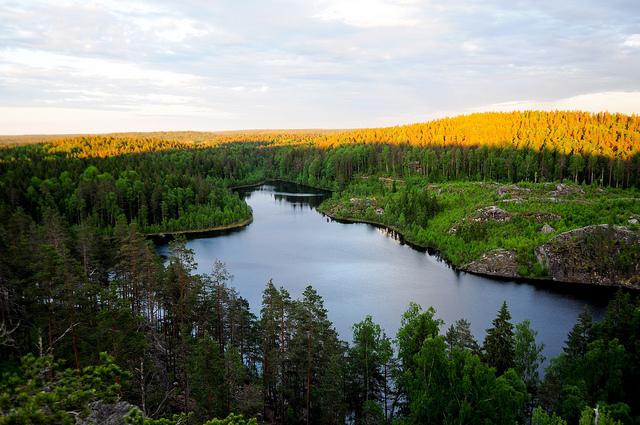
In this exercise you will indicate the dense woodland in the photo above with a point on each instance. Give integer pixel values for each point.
(89, 312)
(179, 342)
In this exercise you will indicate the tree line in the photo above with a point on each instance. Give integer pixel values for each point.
(567, 132)
(187, 189)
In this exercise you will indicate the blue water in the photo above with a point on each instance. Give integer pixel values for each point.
(360, 269)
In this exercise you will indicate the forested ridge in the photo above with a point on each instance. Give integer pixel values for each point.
(78, 277)
(584, 133)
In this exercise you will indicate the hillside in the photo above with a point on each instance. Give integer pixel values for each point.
(587, 134)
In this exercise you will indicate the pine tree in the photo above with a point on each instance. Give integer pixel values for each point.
(367, 357)
(459, 337)
(498, 347)
(580, 335)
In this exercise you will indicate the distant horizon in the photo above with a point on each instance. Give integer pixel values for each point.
(300, 129)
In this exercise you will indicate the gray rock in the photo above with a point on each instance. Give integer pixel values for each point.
(542, 217)
(492, 213)
(598, 254)
(512, 190)
(633, 221)
(547, 229)
(564, 189)
(499, 262)
(105, 414)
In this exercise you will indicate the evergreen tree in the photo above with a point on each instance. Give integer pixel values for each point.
(459, 337)
(580, 335)
(367, 358)
(527, 355)
(498, 347)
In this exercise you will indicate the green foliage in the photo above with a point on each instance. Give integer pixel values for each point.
(232, 420)
(499, 343)
(457, 230)
(527, 355)
(600, 416)
(78, 278)
(43, 393)
(458, 388)
(369, 355)
(540, 417)
(598, 365)
(136, 417)
(459, 337)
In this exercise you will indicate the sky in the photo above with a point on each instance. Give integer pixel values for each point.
(93, 66)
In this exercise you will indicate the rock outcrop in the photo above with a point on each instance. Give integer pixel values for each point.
(491, 213)
(599, 255)
(483, 215)
(499, 262)
(547, 229)
(512, 190)
(564, 189)
(541, 217)
(106, 413)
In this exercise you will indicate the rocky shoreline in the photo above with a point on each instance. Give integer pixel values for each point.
(554, 256)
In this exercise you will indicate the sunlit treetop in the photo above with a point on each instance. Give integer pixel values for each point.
(602, 134)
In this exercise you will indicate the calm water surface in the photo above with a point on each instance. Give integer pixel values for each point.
(360, 269)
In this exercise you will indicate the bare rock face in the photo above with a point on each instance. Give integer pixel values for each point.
(499, 262)
(105, 413)
(542, 217)
(599, 254)
(563, 189)
(492, 213)
(512, 190)
(482, 215)
(547, 229)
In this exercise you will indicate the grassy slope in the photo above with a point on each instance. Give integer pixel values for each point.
(472, 239)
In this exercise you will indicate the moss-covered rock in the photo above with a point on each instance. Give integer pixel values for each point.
(598, 254)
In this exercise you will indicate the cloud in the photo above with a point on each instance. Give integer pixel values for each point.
(24, 61)
(371, 13)
(319, 63)
(632, 41)
(170, 29)
(620, 102)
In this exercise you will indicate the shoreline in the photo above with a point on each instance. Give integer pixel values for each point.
(267, 180)
(231, 226)
(536, 281)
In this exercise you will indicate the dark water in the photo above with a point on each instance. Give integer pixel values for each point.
(360, 269)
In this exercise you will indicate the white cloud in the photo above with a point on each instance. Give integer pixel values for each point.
(470, 46)
(621, 102)
(294, 63)
(76, 66)
(632, 41)
(371, 13)
(150, 117)
(170, 29)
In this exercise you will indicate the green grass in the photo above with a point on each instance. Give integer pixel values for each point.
(460, 201)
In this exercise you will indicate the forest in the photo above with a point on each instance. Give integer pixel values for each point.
(104, 322)
(91, 316)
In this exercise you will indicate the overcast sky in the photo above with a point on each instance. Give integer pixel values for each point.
(127, 65)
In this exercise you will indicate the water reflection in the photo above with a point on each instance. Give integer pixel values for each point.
(361, 269)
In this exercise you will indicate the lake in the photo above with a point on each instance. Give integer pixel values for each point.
(360, 270)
